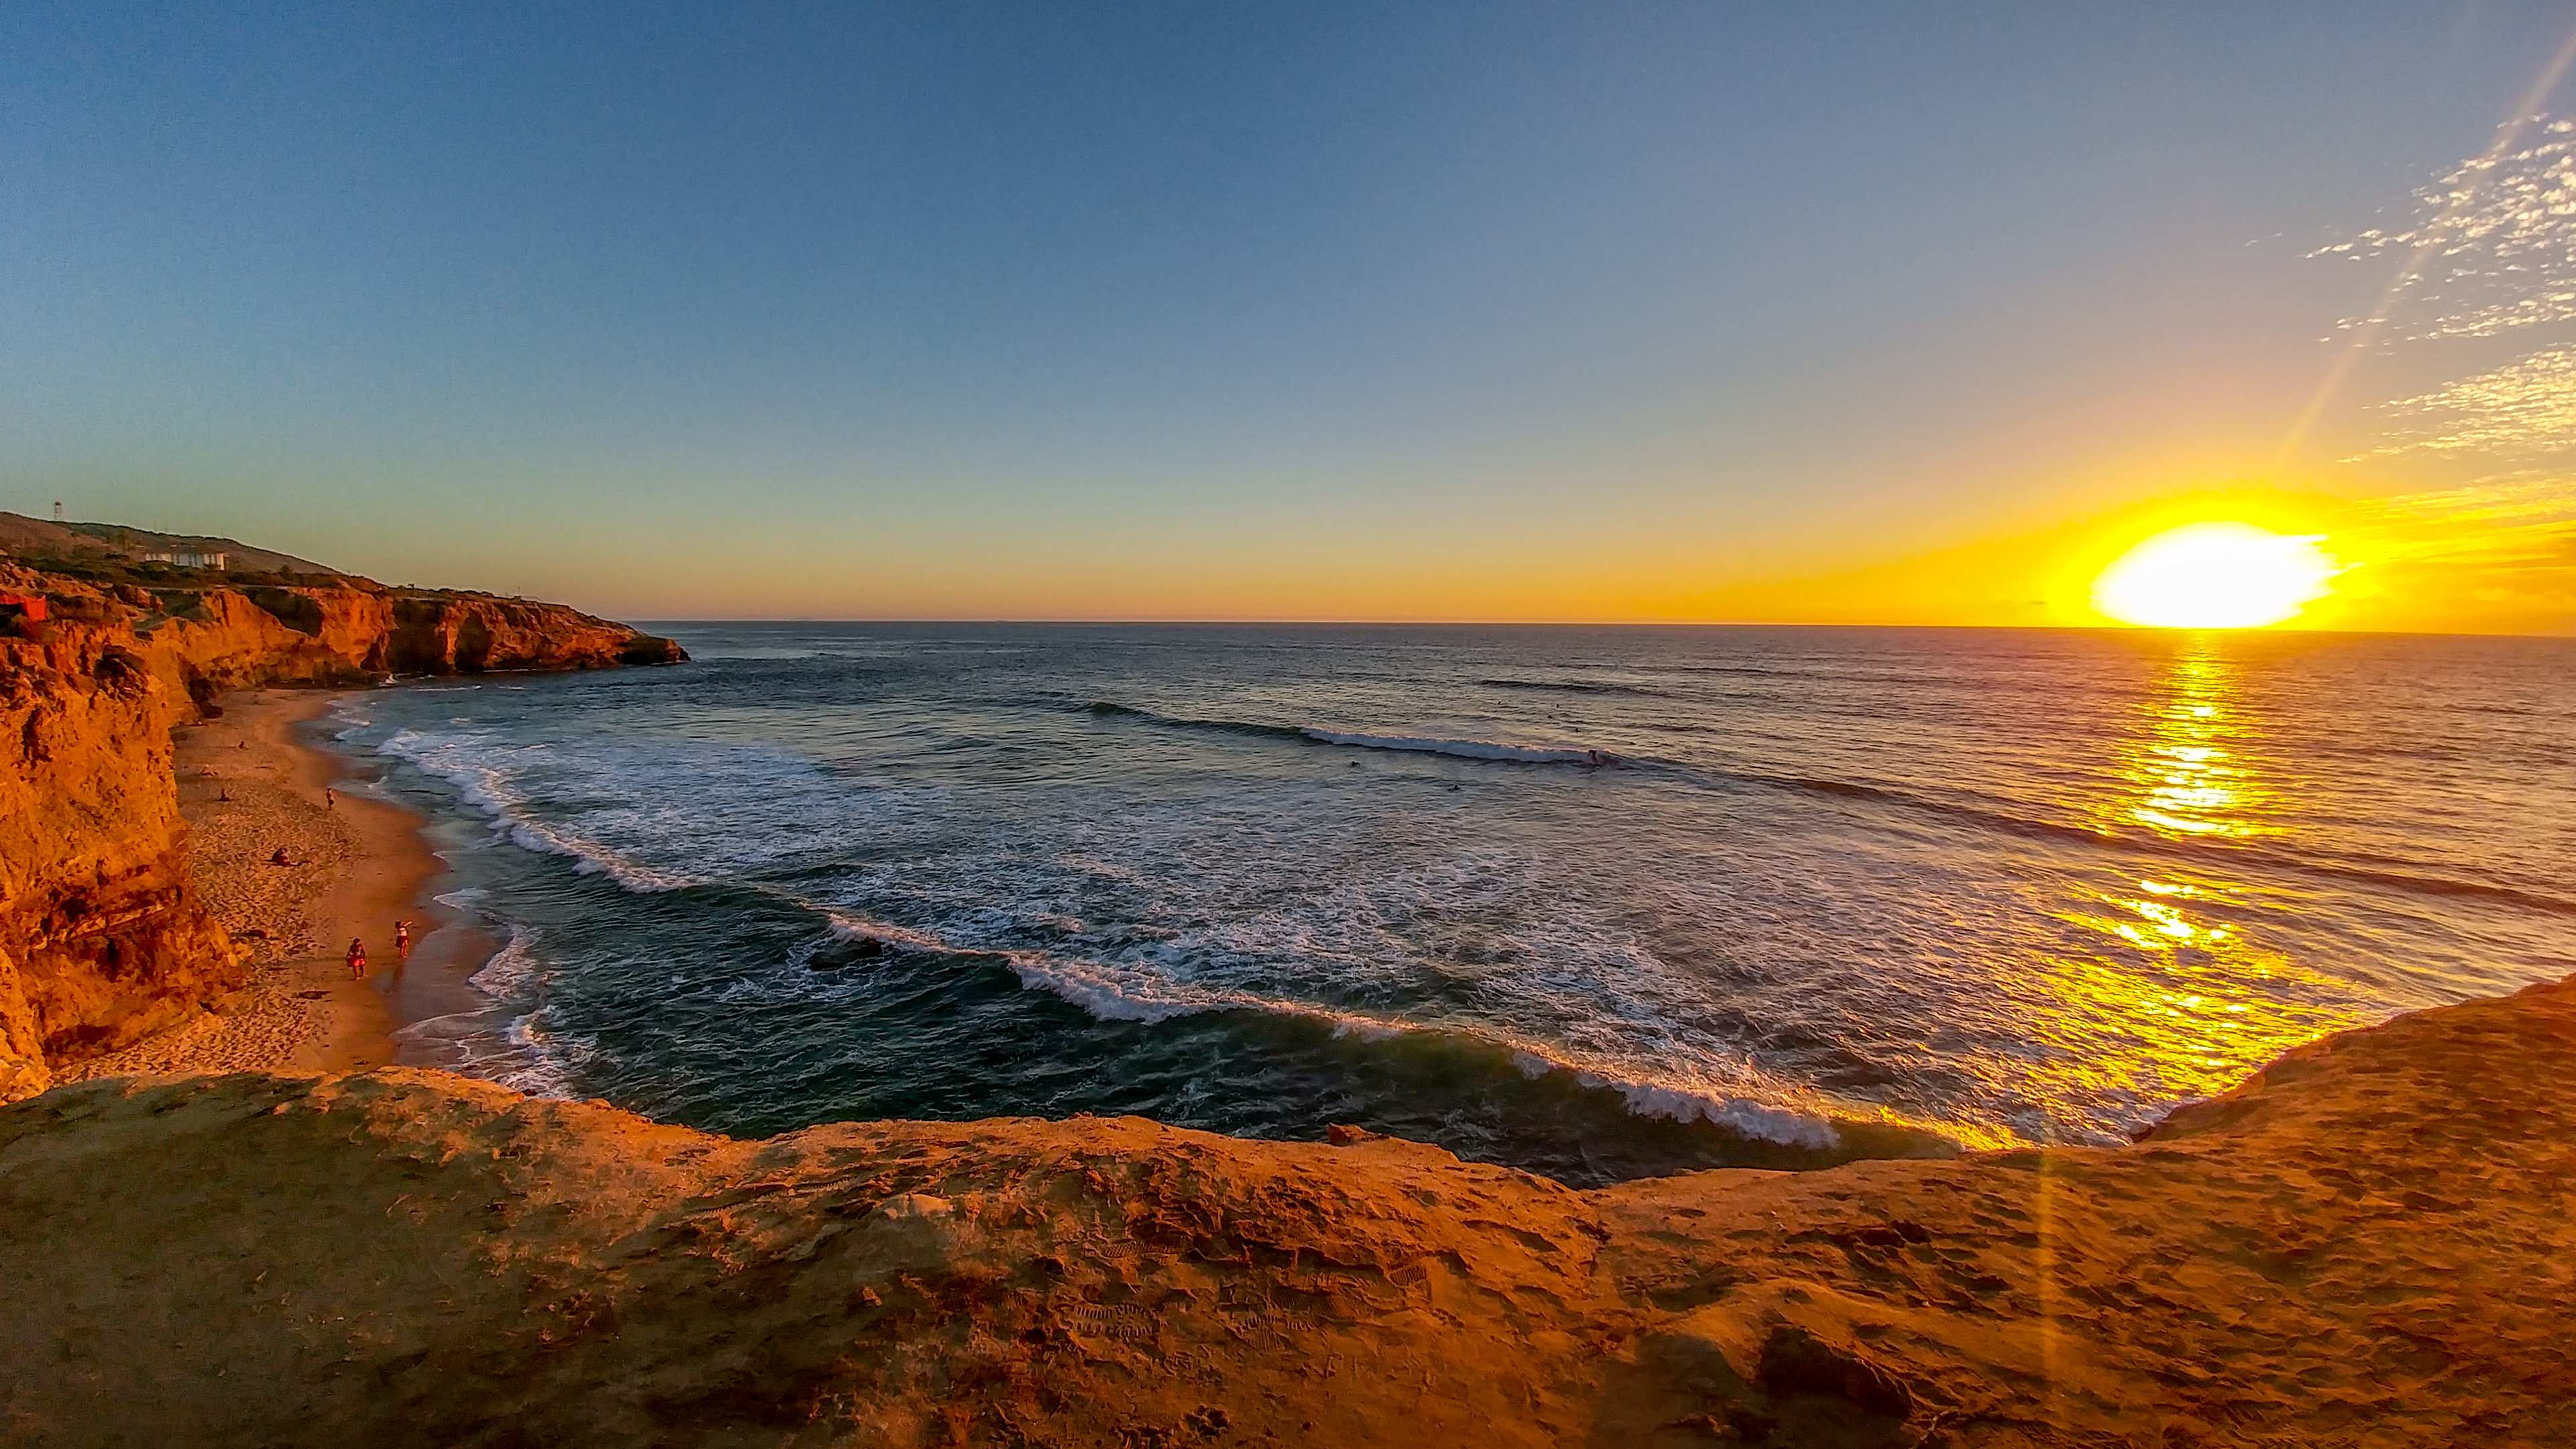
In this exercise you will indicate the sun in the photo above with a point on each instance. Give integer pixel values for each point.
(2215, 576)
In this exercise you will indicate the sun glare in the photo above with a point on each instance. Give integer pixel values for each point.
(2215, 576)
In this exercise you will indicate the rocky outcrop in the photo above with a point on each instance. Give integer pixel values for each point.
(345, 633)
(101, 937)
(2367, 1245)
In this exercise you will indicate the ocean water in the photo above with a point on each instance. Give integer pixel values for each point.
(1596, 902)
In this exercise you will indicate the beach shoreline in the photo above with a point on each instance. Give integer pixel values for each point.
(252, 781)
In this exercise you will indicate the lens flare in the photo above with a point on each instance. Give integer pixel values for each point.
(2215, 576)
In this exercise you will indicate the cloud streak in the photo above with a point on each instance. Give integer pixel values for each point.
(2492, 248)
(2524, 409)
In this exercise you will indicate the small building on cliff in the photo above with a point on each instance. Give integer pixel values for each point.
(186, 558)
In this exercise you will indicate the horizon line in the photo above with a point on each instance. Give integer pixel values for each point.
(2105, 627)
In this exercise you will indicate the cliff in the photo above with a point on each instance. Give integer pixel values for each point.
(2365, 1245)
(101, 939)
(207, 642)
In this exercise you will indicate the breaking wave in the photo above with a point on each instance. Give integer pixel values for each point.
(488, 790)
(1572, 686)
(1492, 750)
(1763, 1110)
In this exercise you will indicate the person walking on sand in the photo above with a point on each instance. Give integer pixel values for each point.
(402, 939)
(329, 800)
(357, 958)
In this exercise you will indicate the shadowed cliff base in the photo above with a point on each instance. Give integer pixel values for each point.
(2366, 1244)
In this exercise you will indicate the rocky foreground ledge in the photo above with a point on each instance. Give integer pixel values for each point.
(2370, 1243)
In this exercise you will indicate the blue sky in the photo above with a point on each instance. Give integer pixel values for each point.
(1179, 309)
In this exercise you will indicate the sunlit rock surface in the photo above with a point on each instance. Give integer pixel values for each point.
(2367, 1244)
(101, 938)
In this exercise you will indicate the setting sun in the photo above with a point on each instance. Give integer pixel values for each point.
(2215, 576)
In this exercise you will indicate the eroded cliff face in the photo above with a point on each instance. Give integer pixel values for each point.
(101, 938)
(229, 638)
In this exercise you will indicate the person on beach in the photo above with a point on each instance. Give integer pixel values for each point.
(357, 958)
(329, 800)
(402, 939)
(278, 857)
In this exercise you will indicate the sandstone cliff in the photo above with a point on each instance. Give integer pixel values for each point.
(101, 940)
(2366, 1245)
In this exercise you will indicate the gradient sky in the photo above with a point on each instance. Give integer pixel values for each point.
(1901, 313)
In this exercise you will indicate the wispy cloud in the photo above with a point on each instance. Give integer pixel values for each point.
(2492, 247)
(2524, 409)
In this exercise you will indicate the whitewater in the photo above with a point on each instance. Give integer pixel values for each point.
(1599, 902)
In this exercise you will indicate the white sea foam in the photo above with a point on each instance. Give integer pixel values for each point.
(548, 1063)
(353, 717)
(502, 1042)
(489, 790)
(1115, 995)
(1734, 1095)
(1749, 1116)
(511, 969)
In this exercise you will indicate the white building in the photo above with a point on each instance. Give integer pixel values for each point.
(186, 558)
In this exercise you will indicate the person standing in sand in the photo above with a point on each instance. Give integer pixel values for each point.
(402, 939)
(330, 801)
(357, 958)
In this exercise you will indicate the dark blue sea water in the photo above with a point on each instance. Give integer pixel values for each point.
(1599, 902)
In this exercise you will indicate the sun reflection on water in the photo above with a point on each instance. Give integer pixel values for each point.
(2166, 986)
(2189, 772)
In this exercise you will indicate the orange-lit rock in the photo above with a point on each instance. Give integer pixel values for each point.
(101, 938)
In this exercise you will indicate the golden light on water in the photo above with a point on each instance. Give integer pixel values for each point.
(2215, 576)
(2169, 985)
(2187, 771)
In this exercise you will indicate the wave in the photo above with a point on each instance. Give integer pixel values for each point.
(1763, 1110)
(1570, 686)
(516, 1051)
(1469, 749)
(489, 791)
(2204, 852)
(2442, 885)
(1768, 1111)
(1490, 750)
(510, 969)
(1114, 709)
(486, 789)
(353, 716)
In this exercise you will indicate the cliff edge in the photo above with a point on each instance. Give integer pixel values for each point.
(101, 938)
(2367, 1244)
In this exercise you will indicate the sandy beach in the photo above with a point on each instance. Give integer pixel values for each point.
(250, 786)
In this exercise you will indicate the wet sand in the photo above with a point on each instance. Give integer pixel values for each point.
(249, 784)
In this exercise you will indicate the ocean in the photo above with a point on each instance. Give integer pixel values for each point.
(1597, 902)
